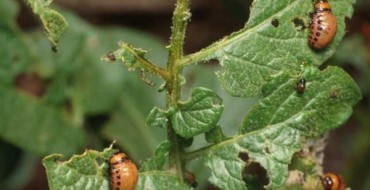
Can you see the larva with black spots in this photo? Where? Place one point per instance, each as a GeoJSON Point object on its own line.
{"type": "Point", "coordinates": [124, 174]}
{"type": "Point", "coordinates": [331, 181]}
{"type": "Point", "coordinates": [323, 25]}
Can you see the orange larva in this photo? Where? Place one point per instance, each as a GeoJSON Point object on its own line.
{"type": "Point", "coordinates": [331, 181]}
{"type": "Point", "coordinates": [323, 25]}
{"type": "Point", "coordinates": [124, 173]}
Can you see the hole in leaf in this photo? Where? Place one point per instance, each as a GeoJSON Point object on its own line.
{"type": "Point", "coordinates": [299, 24]}
{"type": "Point", "coordinates": [255, 176]}
{"type": "Point", "coordinates": [275, 22]}
{"type": "Point", "coordinates": [243, 156]}
{"type": "Point", "coordinates": [30, 83]}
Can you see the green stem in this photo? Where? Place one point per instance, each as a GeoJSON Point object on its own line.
{"type": "Point", "coordinates": [179, 24]}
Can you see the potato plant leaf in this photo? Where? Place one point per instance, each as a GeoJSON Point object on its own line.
{"type": "Point", "coordinates": [86, 171]}
{"type": "Point", "coordinates": [157, 180]}
{"type": "Point", "coordinates": [157, 118]}
{"type": "Point", "coordinates": [281, 121]}
{"type": "Point", "coordinates": [39, 128]}
{"type": "Point", "coordinates": [275, 38]}
{"type": "Point", "coordinates": [159, 158]}
{"type": "Point", "coordinates": [54, 23]}
{"type": "Point", "coordinates": [199, 114]}
{"type": "Point", "coordinates": [215, 135]}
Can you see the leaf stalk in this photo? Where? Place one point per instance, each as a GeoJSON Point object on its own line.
{"type": "Point", "coordinates": [179, 24]}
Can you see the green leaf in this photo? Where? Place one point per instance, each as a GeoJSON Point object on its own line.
{"type": "Point", "coordinates": [86, 171]}
{"type": "Point", "coordinates": [157, 118]}
{"type": "Point", "coordinates": [250, 56]}
{"type": "Point", "coordinates": [8, 13]}
{"type": "Point", "coordinates": [36, 127]}
{"type": "Point", "coordinates": [282, 120]}
{"type": "Point", "coordinates": [159, 158]}
{"type": "Point", "coordinates": [215, 135]}
{"type": "Point", "coordinates": [54, 23]}
{"type": "Point", "coordinates": [199, 114]}
{"type": "Point", "coordinates": [158, 180]}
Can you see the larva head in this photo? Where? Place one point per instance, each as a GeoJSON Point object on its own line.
{"type": "Point", "coordinates": [331, 181]}
{"type": "Point", "coordinates": [322, 5]}
{"type": "Point", "coordinates": [118, 158]}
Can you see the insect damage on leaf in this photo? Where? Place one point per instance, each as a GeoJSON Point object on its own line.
{"type": "Point", "coordinates": [280, 122]}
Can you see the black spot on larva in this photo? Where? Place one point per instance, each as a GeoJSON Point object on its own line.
{"type": "Point", "coordinates": [118, 183]}
{"type": "Point", "coordinates": [317, 33]}
{"type": "Point", "coordinates": [315, 39]}
{"type": "Point", "coordinates": [118, 177]}
{"type": "Point", "coordinates": [320, 28]}
{"type": "Point", "coordinates": [299, 24]}
{"type": "Point", "coordinates": [275, 22]}
{"type": "Point", "coordinates": [117, 171]}
{"type": "Point", "coordinates": [117, 188]}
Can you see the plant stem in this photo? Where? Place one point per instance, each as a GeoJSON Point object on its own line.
{"type": "Point", "coordinates": [179, 23]}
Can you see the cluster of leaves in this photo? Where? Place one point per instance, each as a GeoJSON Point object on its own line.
{"type": "Point", "coordinates": [266, 58]}
{"type": "Point", "coordinates": [47, 99]}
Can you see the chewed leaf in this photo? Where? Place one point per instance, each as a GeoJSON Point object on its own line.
{"type": "Point", "coordinates": [129, 55]}
{"type": "Point", "coordinates": [157, 180]}
{"type": "Point", "coordinates": [86, 171]}
{"type": "Point", "coordinates": [198, 115]}
{"type": "Point", "coordinates": [282, 120]}
{"type": "Point", "coordinates": [325, 103]}
{"type": "Point", "coordinates": [157, 118]}
{"type": "Point", "coordinates": [54, 23]}
{"type": "Point", "coordinates": [275, 38]}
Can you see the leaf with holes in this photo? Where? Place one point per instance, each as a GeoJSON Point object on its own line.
{"type": "Point", "coordinates": [275, 38]}
{"type": "Point", "coordinates": [86, 171]}
{"type": "Point", "coordinates": [54, 23]}
{"type": "Point", "coordinates": [281, 121]}
{"type": "Point", "coordinates": [199, 114]}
